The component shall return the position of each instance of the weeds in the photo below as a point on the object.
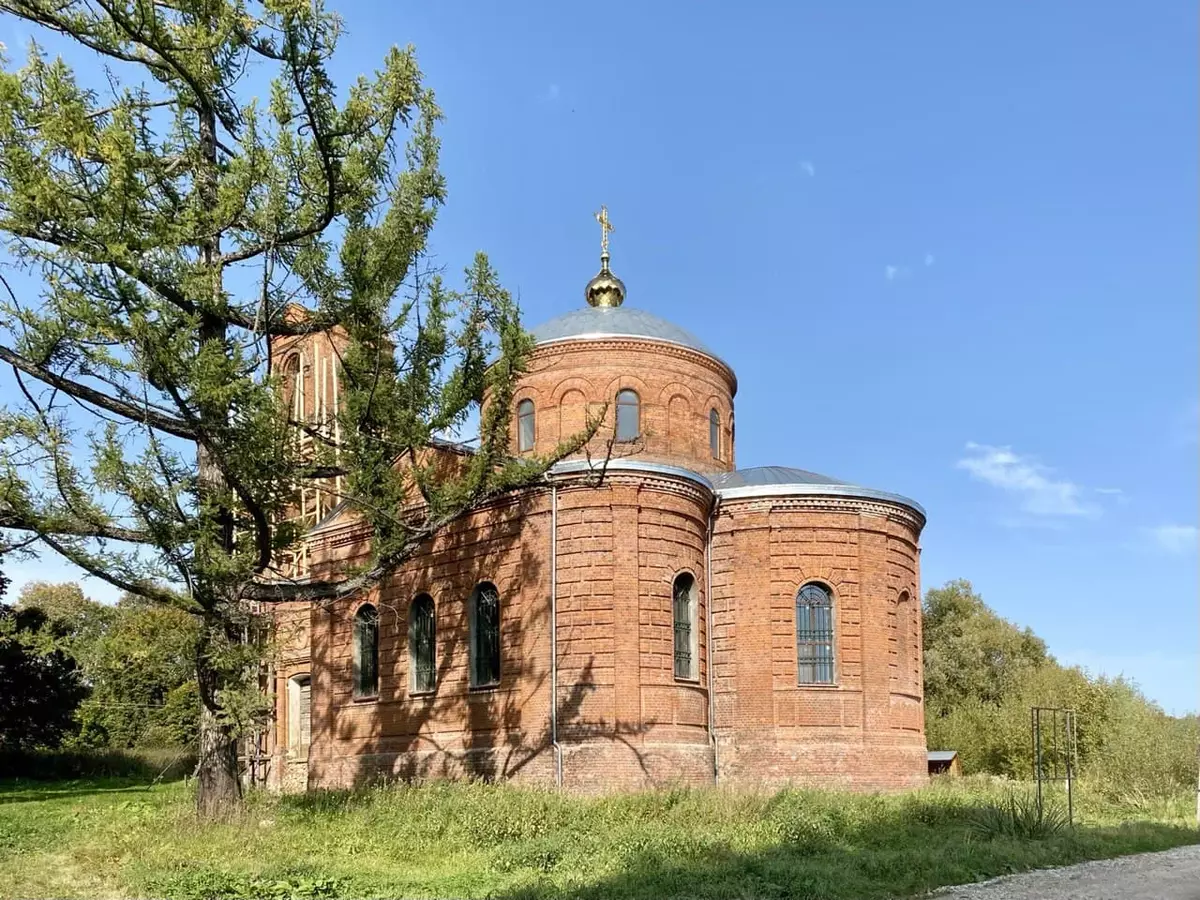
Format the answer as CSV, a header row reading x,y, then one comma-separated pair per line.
x,y
1018,816
126,838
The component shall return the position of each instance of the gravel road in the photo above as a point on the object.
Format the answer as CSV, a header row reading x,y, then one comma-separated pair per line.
x,y
1171,875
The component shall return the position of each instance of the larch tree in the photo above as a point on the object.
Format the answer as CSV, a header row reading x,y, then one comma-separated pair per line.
x,y
162,221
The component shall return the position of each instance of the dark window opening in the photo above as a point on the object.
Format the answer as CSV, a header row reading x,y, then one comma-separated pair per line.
x,y
422,644
366,652
485,635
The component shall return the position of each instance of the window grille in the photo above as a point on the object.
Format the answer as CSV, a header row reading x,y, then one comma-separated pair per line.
x,y
485,636
684,614
366,652
422,644
814,635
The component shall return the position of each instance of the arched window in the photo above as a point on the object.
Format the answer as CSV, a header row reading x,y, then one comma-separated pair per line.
x,y
483,608
422,644
629,426
366,651
686,612
299,714
714,433
293,386
814,635
525,423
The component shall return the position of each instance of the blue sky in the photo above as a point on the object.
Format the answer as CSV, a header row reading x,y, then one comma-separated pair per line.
x,y
949,250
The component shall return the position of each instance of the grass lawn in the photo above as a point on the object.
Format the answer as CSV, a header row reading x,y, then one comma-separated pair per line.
x,y
122,838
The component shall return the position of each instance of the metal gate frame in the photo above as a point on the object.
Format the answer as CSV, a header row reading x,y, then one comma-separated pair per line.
x,y
1055,751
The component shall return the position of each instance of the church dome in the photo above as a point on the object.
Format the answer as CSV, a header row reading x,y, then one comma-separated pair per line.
x,y
595,322
767,481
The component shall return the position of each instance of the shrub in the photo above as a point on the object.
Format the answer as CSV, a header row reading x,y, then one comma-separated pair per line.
x,y
1020,817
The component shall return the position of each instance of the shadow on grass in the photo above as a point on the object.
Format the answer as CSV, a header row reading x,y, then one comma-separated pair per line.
x,y
24,791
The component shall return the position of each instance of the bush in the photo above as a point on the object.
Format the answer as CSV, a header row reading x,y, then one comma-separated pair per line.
x,y
70,765
1019,817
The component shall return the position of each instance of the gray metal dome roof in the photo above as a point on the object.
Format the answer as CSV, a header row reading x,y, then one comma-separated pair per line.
x,y
785,481
760,476
616,321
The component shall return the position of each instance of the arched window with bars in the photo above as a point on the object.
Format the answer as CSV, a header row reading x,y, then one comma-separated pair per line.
x,y
422,645
483,609
686,611
714,433
366,651
814,635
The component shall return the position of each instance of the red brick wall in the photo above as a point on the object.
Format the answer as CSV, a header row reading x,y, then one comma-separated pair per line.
x,y
866,730
624,720
677,388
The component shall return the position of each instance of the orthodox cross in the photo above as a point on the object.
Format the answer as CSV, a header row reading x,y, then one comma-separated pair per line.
x,y
605,228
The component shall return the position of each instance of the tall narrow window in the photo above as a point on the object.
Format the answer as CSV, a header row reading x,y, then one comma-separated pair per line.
x,y
484,612
714,433
293,387
422,644
629,425
299,714
685,614
366,651
814,635
525,425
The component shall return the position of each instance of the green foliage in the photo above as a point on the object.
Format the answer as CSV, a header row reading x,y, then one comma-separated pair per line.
x,y
118,838
1019,816
982,676
138,660
170,219
40,684
70,765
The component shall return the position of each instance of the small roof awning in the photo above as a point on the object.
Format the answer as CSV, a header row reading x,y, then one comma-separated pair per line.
x,y
940,755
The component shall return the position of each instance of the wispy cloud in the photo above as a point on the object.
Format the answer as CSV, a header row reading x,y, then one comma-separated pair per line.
x,y
1175,539
809,169
1038,491
928,259
551,93
892,273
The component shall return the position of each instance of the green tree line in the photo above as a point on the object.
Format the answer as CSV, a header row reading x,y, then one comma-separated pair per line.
x,y
117,677
983,674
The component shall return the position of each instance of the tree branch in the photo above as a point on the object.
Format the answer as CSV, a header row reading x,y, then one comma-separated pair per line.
x,y
169,424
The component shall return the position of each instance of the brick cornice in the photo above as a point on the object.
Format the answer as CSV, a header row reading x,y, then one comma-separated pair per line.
x,y
572,346
892,512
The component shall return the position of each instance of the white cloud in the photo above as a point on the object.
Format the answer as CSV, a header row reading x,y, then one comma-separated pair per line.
x,y
929,259
1115,492
551,93
1178,539
891,273
808,167
1039,492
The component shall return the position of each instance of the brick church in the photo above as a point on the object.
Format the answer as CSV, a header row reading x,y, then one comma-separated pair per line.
x,y
670,619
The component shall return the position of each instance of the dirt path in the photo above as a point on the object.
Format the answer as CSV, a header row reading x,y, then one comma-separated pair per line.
x,y
1171,875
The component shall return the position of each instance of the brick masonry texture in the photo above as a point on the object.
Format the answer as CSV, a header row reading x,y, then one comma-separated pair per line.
x,y
606,571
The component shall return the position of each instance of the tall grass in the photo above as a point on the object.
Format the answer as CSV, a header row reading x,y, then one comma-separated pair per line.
x,y
476,840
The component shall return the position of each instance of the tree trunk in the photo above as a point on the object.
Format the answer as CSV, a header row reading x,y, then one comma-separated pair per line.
x,y
218,788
